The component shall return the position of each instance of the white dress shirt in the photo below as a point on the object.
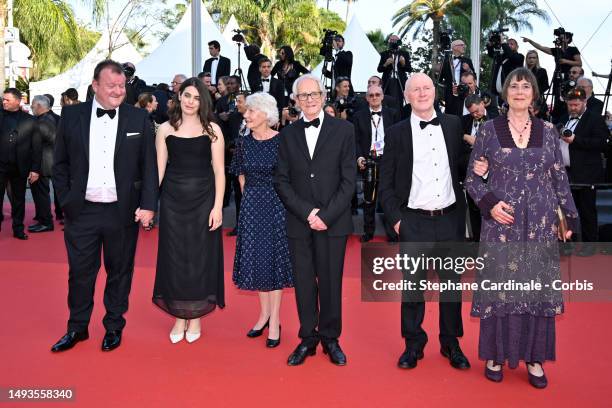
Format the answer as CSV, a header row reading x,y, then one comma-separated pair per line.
x,y
378,133
312,134
457,70
101,187
213,70
432,186
266,84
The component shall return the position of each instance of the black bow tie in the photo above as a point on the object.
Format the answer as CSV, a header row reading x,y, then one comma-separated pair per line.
x,y
456,57
110,112
265,80
314,123
434,122
214,58
574,117
376,113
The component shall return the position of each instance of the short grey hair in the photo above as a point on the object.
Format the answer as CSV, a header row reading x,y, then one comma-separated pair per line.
x,y
265,103
585,79
303,78
182,77
42,100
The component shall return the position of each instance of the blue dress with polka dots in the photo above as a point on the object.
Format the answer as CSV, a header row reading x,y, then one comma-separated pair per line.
x,y
262,260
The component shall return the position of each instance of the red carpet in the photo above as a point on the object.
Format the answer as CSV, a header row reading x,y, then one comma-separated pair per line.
x,y
226,369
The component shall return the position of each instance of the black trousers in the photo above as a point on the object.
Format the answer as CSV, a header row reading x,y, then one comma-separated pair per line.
x,y
98,229
422,228
10,174
369,212
318,262
585,200
42,200
59,213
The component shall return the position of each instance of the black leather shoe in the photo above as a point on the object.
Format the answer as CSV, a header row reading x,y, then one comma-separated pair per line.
x,y
69,340
409,358
272,343
300,353
366,237
336,355
112,340
40,228
258,332
456,357
20,235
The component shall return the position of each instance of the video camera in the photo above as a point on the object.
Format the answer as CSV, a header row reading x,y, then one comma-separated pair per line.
x,y
560,33
567,86
327,44
238,37
445,40
345,104
495,39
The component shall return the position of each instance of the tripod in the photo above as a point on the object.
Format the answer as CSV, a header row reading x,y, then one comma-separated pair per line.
x,y
238,72
328,83
607,94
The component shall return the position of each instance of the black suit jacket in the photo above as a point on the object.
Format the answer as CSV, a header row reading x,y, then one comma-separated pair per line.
x,y
388,70
595,105
253,73
343,65
327,181
507,62
28,143
276,90
47,126
397,164
363,128
223,67
591,133
452,102
135,161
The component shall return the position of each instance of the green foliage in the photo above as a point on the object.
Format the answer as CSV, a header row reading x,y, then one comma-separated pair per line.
x,y
137,39
170,17
377,38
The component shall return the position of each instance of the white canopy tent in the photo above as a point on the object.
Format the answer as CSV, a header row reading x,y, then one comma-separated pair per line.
x,y
173,56
80,75
365,56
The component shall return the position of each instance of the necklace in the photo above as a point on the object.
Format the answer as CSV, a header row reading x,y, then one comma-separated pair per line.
x,y
520,132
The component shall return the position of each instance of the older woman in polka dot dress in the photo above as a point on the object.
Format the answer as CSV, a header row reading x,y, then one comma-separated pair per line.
x,y
262,253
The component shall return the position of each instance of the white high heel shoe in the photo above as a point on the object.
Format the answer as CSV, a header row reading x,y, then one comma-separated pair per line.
x,y
176,337
191,337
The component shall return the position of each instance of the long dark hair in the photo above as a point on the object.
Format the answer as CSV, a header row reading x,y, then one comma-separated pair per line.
x,y
289,56
205,112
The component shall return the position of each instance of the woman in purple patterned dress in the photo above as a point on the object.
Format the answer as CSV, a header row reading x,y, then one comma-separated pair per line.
x,y
525,184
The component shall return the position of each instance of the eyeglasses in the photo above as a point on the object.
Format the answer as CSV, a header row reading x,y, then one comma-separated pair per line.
x,y
315,96
175,83
374,95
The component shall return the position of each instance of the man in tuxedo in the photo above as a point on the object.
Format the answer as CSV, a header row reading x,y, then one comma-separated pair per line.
x,y
20,155
134,86
370,126
236,129
581,150
268,84
253,54
469,79
46,124
592,103
421,195
59,214
315,179
217,64
452,68
506,58
389,100
343,62
476,117
394,65
105,172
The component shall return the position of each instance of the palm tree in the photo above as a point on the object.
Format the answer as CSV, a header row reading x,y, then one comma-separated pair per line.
x,y
417,13
514,14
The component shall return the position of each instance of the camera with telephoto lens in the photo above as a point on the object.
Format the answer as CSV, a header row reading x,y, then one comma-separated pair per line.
x,y
327,44
496,37
567,86
238,37
463,90
560,33
369,178
128,70
395,46
563,131
345,104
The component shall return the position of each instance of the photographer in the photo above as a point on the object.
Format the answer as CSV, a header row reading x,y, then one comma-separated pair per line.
x,y
593,104
394,65
253,54
345,104
134,86
217,64
583,140
454,66
506,58
468,87
370,125
390,101
342,61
